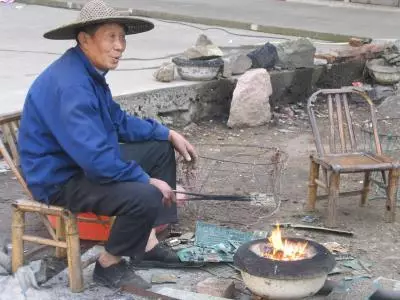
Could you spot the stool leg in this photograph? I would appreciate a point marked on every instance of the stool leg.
(390, 212)
(312, 186)
(334, 181)
(74, 253)
(17, 228)
(365, 190)
(60, 233)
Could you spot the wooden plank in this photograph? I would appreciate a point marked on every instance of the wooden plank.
(14, 168)
(7, 118)
(44, 241)
(331, 125)
(17, 227)
(11, 143)
(73, 253)
(349, 123)
(340, 122)
(333, 198)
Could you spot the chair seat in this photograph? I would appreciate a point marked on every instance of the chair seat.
(356, 162)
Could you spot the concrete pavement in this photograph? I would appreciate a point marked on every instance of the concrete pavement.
(24, 53)
(280, 17)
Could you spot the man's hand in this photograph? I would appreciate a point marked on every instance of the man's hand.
(165, 189)
(182, 146)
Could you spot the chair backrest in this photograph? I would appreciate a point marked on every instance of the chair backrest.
(341, 134)
(9, 125)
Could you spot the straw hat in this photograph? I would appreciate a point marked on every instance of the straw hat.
(97, 12)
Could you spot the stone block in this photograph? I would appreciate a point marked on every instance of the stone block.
(217, 287)
(250, 102)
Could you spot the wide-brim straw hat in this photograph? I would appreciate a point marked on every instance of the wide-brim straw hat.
(98, 12)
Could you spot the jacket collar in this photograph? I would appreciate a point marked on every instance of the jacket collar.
(95, 73)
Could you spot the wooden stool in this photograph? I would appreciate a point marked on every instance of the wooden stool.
(65, 238)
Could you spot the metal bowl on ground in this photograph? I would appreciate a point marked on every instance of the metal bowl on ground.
(198, 69)
(279, 279)
(382, 72)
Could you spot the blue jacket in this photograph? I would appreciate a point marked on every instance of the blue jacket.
(71, 124)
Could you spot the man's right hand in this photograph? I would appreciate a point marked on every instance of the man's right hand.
(165, 189)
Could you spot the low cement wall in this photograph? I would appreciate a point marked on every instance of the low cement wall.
(185, 104)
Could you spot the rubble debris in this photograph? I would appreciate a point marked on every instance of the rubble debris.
(309, 219)
(357, 265)
(204, 48)
(165, 73)
(364, 52)
(184, 295)
(144, 293)
(216, 287)
(186, 237)
(358, 42)
(296, 54)
(171, 242)
(163, 278)
(250, 102)
(5, 261)
(264, 57)
(336, 248)
(39, 268)
(390, 107)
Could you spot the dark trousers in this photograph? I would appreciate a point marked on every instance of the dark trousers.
(137, 206)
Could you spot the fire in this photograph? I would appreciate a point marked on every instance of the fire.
(279, 249)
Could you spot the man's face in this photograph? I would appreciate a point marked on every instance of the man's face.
(105, 47)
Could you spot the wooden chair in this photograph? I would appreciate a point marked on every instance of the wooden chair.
(341, 154)
(65, 238)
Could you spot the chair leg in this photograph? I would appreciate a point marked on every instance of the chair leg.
(365, 190)
(60, 233)
(390, 212)
(74, 254)
(312, 186)
(333, 190)
(18, 226)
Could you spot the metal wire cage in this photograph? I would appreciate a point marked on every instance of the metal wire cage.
(389, 135)
(234, 170)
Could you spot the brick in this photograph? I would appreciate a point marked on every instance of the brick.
(217, 287)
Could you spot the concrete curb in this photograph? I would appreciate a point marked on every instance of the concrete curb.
(206, 21)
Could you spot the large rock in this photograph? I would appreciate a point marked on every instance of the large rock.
(165, 73)
(204, 48)
(296, 54)
(236, 64)
(264, 57)
(250, 102)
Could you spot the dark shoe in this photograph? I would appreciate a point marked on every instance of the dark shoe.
(118, 275)
(161, 256)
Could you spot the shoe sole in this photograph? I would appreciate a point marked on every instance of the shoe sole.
(103, 282)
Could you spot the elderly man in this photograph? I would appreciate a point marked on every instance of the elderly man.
(71, 156)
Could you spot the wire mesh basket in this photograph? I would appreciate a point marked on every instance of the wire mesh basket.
(389, 136)
(237, 172)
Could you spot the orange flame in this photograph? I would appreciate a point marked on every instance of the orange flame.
(283, 249)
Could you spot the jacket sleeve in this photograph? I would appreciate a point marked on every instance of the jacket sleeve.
(134, 129)
(80, 131)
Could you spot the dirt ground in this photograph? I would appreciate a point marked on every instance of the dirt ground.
(374, 241)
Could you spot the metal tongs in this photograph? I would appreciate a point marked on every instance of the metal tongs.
(199, 196)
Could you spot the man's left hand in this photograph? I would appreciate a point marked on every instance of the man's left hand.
(182, 146)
